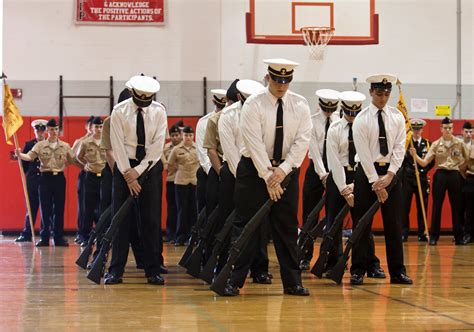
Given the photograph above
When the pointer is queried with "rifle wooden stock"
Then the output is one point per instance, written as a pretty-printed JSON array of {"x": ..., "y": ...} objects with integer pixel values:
[
  {"x": 193, "y": 238},
  {"x": 207, "y": 273},
  {"x": 97, "y": 270},
  {"x": 193, "y": 264},
  {"x": 220, "y": 282},
  {"x": 337, "y": 271},
  {"x": 311, "y": 220},
  {"x": 327, "y": 242},
  {"x": 83, "y": 258}
]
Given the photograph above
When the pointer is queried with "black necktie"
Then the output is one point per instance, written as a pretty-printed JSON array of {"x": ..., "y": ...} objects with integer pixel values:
[
  {"x": 325, "y": 157},
  {"x": 140, "y": 152},
  {"x": 278, "y": 146},
  {"x": 382, "y": 136},
  {"x": 415, "y": 145},
  {"x": 352, "y": 149}
]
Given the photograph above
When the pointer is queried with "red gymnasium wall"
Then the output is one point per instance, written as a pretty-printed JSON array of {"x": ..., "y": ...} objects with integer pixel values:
[{"x": 12, "y": 205}]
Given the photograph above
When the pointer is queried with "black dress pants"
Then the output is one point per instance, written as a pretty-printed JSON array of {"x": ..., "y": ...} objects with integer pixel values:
[
  {"x": 145, "y": 214},
  {"x": 313, "y": 190},
  {"x": 334, "y": 204},
  {"x": 410, "y": 188},
  {"x": 449, "y": 181},
  {"x": 201, "y": 188},
  {"x": 105, "y": 202},
  {"x": 80, "y": 200},
  {"x": 91, "y": 203},
  {"x": 226, "y": 206},
  {"x": 250, "y": 194},
  {"x": 52, "y": 198},
  {"x": 364, "y": 197},
  {"x": 187, "y": 213}
]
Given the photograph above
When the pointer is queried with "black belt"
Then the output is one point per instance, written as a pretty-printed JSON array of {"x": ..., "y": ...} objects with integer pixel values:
[
  {"x": 51, "y": 173},
  {"x": 349, "y": 168},
  {"x": 98, "y": 175}
]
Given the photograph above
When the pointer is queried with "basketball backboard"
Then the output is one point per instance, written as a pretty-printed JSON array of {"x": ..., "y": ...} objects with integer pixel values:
[{"x": 279, "y": 21}]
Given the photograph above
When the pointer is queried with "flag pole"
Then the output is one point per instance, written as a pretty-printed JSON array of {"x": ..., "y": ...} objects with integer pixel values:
[
  {"x": 25, "y": 191},
  {"x": 12, "y": 121},
  {"x": 417, "y": 173}
]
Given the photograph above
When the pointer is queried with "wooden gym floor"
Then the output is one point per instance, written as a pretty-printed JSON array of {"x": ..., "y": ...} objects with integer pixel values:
[{"x": 42, "y": 289}]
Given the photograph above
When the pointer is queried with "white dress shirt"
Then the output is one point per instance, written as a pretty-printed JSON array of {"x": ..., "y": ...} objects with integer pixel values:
[
  {"x": 366, "y": 139},
  {"x": 123, "y": 133},
  {"x": 337, "y": 147},
  {"x": 230, "y": 136},
  {"x": 200, "y": 134},
  {"x": 257, "y": 125},
  {"x": 316, "y": 145}
]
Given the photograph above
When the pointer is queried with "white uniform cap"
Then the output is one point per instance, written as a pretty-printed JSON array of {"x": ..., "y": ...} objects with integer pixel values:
[
  {"x": 219, "y": 93},
  {"x": 279, "y": 64},
  {"x": 328, "y": 95},
  {"x": 281, "y": 70},
  {"x": 351, "y": 102},
  {"x": 352, "y": 98},
  {"x": 249, "y": 87},
  {"x": 38, "y": 122},
  {"x": 128, "y": 85},
  {"x": 144, "y": 86},
  {"x": 417, "y": 123},
  {"x": 382, "y": 78},
  {"x": 328, "y": 99}
]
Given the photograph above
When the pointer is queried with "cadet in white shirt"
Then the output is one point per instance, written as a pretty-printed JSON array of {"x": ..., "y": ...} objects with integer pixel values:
[
  {"x": 218, "y": 99},
  {"x": 341, "y": 155},
  {"x": 231, "y": 141},
  {"x": 276, "y": 129},
  {"x": 317, "y": 172},
  {"x": 138, "y": 130},
  {"x": 379, "y": 138}
]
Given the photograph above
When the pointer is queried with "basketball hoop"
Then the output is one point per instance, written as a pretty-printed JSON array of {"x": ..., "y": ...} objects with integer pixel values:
[{"x": 317, "y": 38}]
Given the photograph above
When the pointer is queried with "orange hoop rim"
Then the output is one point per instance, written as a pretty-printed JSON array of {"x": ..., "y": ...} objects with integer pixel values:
[{"x": 317, "y": 28}]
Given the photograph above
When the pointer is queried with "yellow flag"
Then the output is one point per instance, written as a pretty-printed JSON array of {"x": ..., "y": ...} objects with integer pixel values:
[
  {"x": 402, "y": 107},
  {"x": 12, "y": 119}
]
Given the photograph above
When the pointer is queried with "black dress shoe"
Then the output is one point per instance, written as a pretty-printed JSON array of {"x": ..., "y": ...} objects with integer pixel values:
[
  {"x": 163, "y": 269},
  {"x": 433, "y": 241},
  {"x": 404, "y": 238},
  {"x": 79, "y": 238},
  {"x": 461, "y": 242},
  {"x": 327, "y": 274},
  {"x": 402, "y": 279},
  {"x": 23, "y": 238},
  {"x": 262, "y": 278},
  {"x": 376, "y": 273},
  {"x": 42, "y": 243},
  {"x": 156, "y": 280},
  {"x": 112, "y": 279},
  {"x": 297, "y": 290},
  {"x": 304, "y": 265},
  {"x": 422, "y": 238},
  {"x": 357, "y": 279},
  {"x": 231, "y": 290},
  {"x": 61, "y": 243}
]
